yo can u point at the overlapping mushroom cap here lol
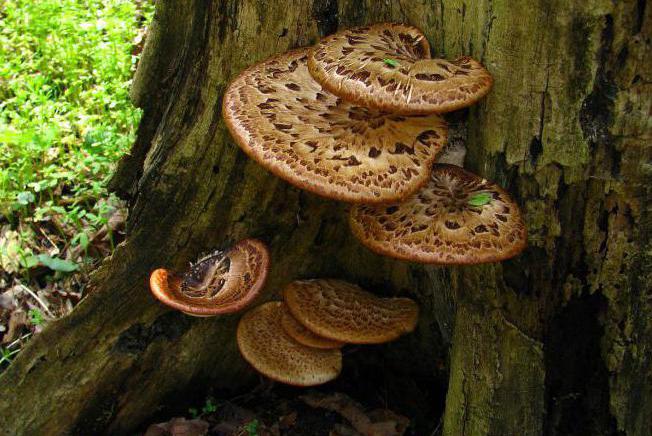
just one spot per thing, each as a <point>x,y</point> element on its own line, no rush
<point>345,312</point>
<point>265,345</point>
<point>388,66</point>
<point>302,335</point>
<point>458,218</point>
<point>223,282</point>
<point>284,120</point>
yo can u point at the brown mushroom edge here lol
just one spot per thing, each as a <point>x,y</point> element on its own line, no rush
<point>362,170</point>
<point>269,350</point>
<point>374,226</point>
<point>361,317</point>
<point>393,62</point>
<point>167,286</point>
<point>303,335</point>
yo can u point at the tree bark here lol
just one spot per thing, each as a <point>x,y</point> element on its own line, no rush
<point>555,342</point>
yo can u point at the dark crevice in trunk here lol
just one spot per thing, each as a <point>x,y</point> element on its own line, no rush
<point>577,391</point>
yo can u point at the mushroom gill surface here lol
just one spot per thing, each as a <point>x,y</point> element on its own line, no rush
<point>344,312</point>
<point>222,282</point>
<point>387,66</point>
<point>282,118</point>
<point>458,218</point>
<point>265,345</point>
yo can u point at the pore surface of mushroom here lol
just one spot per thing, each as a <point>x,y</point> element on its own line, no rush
<point>302,335</point>
<point>265,345</point>
<point>222,282</point>
<point>344,312</point>
<point>388,66</point>
<point>458,218</point>
<point>284,120</point>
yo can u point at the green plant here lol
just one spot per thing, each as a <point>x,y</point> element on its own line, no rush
<point>35,317</point>
<point>252,428</point>
<point>65,114</point>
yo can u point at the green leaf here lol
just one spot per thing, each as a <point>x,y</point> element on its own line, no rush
<point>35,316</point>
<point>25,197</point>
<point>56,264</point>
<point>480,199</point>
<point>252,428</point>
<point>391,62</point>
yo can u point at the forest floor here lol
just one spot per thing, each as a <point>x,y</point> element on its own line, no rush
<point>65,120</point>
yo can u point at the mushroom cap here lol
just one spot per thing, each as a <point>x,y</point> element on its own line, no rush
<point>305,135</point>
<point>302,335</point>
<point>222,282</point>
<point>344,312</point>
<point>388,66</point>
<point>439,225</point>
<point>265,345</point>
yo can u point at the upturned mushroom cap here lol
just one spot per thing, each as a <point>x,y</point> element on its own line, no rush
<point>302,335</point>
<point>265,345</point>
<point>387,66</point>
<point>458,218</point>
<point>285,121</point>
<point>345,312</point>
<point>223,282</point>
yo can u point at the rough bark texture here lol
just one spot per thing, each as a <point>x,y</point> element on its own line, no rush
<point>557,341</point>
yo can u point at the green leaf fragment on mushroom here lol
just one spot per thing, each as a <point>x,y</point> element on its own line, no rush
<point>480,199</point>
<point>391,62</point>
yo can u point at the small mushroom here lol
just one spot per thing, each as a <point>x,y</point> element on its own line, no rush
<point>458,218</point>
<point>344,312</point>
<point>285,121</point>
<point>265,345</point>
<point>222,282</point>
<point>388,66</point>
<point>302,335</point>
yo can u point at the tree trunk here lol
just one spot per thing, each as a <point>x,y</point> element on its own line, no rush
<point>555,342</point>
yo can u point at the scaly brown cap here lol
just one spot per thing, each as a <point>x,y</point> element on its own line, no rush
<point>265,345</point>
<point>222,282</point>
<point>458,218</point>
<point>387,66</point>
<point>347,313</point>
<point>302,335</point>
<point>285,121</point>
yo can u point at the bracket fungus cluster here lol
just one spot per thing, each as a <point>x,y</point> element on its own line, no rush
<point>220,283</point>
<point>298,341</point>
<point>357,118</point>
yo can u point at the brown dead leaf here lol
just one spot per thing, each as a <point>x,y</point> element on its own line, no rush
<point>373,424</point>
<point>178,427</point>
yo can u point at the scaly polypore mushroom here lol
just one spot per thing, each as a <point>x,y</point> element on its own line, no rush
<point>265,345</point>
<point>222,282</point>
<point>458,218</point>
<point>388,66</point>
<point>285,121</point>
<point>344,312</point>
<point>302,335</point>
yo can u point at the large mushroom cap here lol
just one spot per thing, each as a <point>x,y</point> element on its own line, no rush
<point>388,67</point>
<point>345,312</point>
<point>302,335</point>
<point>458,218</point>
<point>284,120</point>
<point>265,345</point>
<point>223,282</point>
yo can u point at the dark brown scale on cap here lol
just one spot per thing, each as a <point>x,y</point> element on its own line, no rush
<point>324,144</point>
<point>444,222</point>
<point>222,282</point>
<point>389,68</point>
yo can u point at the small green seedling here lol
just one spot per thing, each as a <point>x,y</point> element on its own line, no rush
<point>35,317</point>
<point>480,199</point>
<point>391,62</point>
<point>193,412</point>
<point>252,428</point>
<point>209,406</point>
